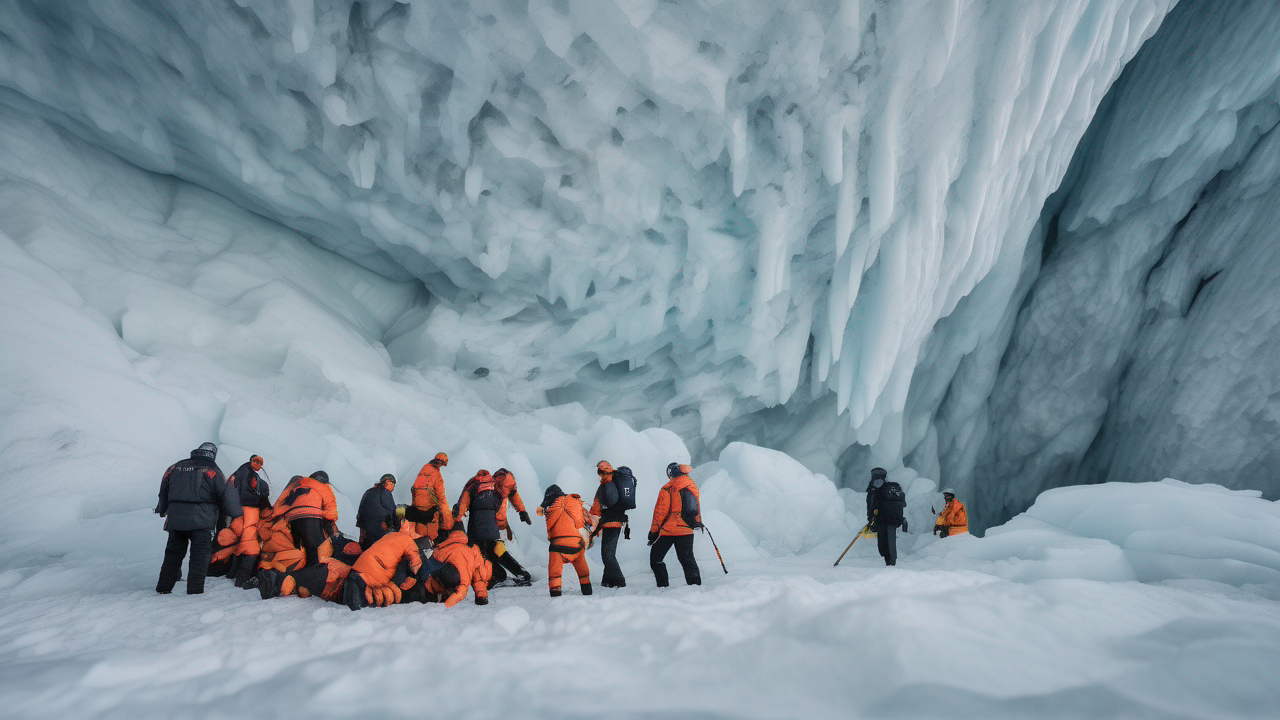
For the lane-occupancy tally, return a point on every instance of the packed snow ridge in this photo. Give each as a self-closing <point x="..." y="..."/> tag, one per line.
<point x="846" y="230"/>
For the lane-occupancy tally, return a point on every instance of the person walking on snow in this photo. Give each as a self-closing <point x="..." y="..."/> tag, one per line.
<point x="886" y="504"/>
<point x="567" y="529"/>
<point x="377" y="514"/>
<point x="506" y="481"/>
<point x="953" y="519"/>
<point x="191" y="493"/>
<point x="675" y="516"/>
<point x="482" y="499"/>
<point x="255" y="496"/>
<point x="608" y="523"/>
<point x="430" y="508"/>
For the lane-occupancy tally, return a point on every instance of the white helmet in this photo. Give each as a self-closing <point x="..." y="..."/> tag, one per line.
<point x="948" y="491"/>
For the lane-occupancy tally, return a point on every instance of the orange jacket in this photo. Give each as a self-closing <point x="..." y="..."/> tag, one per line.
<point x="565" y="518"/>
<point x="428" y="492"/>
<point x="507" y="490"/>
<point x="596" y="511"/>
<point x="474" y="570"/>
<point x="666" y="512"/>
<point x="378" y="564"/>
<point x="311" y="499"/>
<point x="954" y="518"/>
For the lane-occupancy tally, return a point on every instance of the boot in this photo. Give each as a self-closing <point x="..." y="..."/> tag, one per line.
<point x="269" y="583"/>
<point x="586" y="588"/>
<point x="524" y="579"/>
<point x="555" y="592"/>
<point x="246" y="572"/>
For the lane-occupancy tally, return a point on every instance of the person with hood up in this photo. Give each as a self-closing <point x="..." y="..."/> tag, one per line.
<point x="886" y="507"/>
<point x="377" y="514"/>
<point x="673" y="525"/>
<point x="250" y="482"/>
<point x="463" y="566"/>
<point x="567" y="529"/>
<point x="191" y="493"/>
<point x="312" y="514"/>
<point x="483" y="501"/>
<point x="608" y="523"/>
<point x="430" y="505"/>
<point x="953" y="519"/>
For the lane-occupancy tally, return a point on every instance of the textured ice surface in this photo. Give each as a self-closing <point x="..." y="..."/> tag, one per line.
<point x="679" y="213"/>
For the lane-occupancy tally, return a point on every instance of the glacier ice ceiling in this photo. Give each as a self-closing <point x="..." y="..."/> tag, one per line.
<point x="1007" y="245"/>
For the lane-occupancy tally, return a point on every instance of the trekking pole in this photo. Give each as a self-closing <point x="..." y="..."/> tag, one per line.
<point x="713" y="544"/>
<point x="851" y="542"/>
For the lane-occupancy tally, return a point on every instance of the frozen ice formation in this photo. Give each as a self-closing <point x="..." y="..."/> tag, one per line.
<point x="850" y="230"/>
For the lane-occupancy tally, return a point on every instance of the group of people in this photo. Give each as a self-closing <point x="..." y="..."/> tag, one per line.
<point x="886" y="512"/>
<point x="420" y="552"/>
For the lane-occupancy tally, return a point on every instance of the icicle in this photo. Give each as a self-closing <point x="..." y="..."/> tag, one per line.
<point x="738" y="152"/>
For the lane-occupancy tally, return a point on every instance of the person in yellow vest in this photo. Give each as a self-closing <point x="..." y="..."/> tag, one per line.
<point x="953" y="519"/>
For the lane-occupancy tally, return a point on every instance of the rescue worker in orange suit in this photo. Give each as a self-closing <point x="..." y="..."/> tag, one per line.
<point x="430" y="507"/>
<point x="507" y="489"/>
<point x="608" y="524"/>
<point x="567" y="529"/>
<point x="953" y="519"/>
<point x="377" y="514"/>
<point x="255" y="497"/>
<point x="463" y="567"/>
<point x="482" y="498"/>
<point x="669" y="528"/>
<point x="192" y="492"/>
<point x="377" y="577"/>
<point x="312" y="514"/>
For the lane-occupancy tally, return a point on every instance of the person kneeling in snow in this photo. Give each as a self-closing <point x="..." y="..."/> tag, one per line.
<point x="567" y="530"/>
<point x="953" y="519"/>
<point x="675" y="515"/>
<point x="885" y="509"/>
<point x="460" y="565"/>
<point x="324" y="580"/>
<point x="190" y="495"/>
<point x="383" y="572"/>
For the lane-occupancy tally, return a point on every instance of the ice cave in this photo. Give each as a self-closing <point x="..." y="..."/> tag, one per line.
<point x="1028" y="252"/>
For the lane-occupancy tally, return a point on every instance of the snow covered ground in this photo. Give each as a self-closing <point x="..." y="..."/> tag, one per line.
<point x="1041" y="618"/>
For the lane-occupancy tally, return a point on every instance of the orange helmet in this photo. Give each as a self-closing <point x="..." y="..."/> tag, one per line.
<point x="442" y="458"/>
<point x="603" y="467"/>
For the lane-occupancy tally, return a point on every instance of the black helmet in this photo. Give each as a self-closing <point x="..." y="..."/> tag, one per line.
<point x="673" y="470"/>
<point x="206" y="450"/>
<point x="878" y="473"/>
<point x="320" y="475"/>
<point x="388" y="476"/>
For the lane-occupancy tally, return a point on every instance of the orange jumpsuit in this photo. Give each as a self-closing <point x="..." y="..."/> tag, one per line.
<point x="566" y="517"/>
<point x="377" y="566"/>
<point x="428" y="493"/>
<point x="472" y="568"/>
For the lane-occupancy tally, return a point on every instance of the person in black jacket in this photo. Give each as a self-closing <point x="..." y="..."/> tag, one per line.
<point x="250" y="483"/>
<point x="377" y="514"/>
<point x="191" y="494"/>
<point x="886" y="504"/>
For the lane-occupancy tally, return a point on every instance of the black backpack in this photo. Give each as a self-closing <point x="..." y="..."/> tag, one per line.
<point x="892" y="503"/>
<point x="619" y="493"/>
<point x="484" y="496"/>
<point x="689" y="508"/>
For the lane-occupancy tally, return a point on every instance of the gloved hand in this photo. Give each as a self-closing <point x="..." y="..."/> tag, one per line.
<point x="510" y="535"/>
<point x="524" y="518"/>
<point x="937" y="529"/>
<point x="482" y="600"/>
<point x="904" y="526"/>
<point x="653" y="538"/>
<point x="626" y="532"/>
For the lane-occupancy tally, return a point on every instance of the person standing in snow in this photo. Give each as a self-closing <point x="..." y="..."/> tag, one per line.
<point x="377" y="513"/>
<point x="506" y="481"/>
<point x="191" y="494"/>
<point x="482" y="500"/>
<point x="608" y="522"/>
<point x="567" y="529"/>
<point x="255" y="495"/>
<point x="675" y="516"/>
<point x="430" y="508"/>
<point x="953" y="519"/>
<point x="313" y="514"/>
<point x="886" y="503"/>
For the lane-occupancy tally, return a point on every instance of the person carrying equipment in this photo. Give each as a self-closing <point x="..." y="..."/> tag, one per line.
<point x="567" y="529"/>
<point x="482" y="498"/>
<point x="430" y="507"/>
<point x="615" y="495"/>
<point x="953" y="519"/>
<point x="313" y="513"/>
<point x="191" y="493"/>
<point x="885" y="512"/>
<point x="675" y="516"/>
<point x="373" y="578"/>
<point x="377" y="514"/>
<point x="462" y="566"/>
<point x="255" y="498"/>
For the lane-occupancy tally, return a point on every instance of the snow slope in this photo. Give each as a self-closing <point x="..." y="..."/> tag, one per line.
<point x="1025" y="622"/>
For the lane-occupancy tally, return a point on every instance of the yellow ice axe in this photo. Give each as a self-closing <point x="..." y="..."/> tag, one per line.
<point x="851" y="542"/>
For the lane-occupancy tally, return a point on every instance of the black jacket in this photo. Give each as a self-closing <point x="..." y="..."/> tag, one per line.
<point x="876" y="500"/>
<point x="192" y="492"/>
<point x="482" y="522"/>
<point x="251" y="487"/>
<point x="376" y="507"/>
<point x="871" y="499"/>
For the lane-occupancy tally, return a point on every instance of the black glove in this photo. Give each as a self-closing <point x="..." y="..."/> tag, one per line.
<point x="653" y="538"/>
<point x="904" y="526"/>
<point x="937" y="529"/>
<point x="626" y="532"/>
<point x="482" y="600"/>
<point x="524" y="518"/>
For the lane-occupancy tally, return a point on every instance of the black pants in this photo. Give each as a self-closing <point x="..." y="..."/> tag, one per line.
<point x="176" y="549"/>
<point x="511" y="565"/>
<point x="609" y="555"/>
<point x="684" y="553"/>
<point x="308" y="534"/>
<point x="887" y="542"/>
<point x="371" y="536"/>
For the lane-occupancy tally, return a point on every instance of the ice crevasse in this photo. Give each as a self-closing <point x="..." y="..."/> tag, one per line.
<point x="830" y="228"/>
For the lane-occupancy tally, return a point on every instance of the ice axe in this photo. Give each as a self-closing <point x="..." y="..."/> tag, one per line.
<point x="851" y="542"/>
<point x="717" y="548"/>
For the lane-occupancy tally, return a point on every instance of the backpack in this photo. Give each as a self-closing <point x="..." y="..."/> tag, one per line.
<point x="484" y="495"/>
<point x="892" y="503"/>
<point x="620" y="492"/>
<point x="689" y="508"/>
